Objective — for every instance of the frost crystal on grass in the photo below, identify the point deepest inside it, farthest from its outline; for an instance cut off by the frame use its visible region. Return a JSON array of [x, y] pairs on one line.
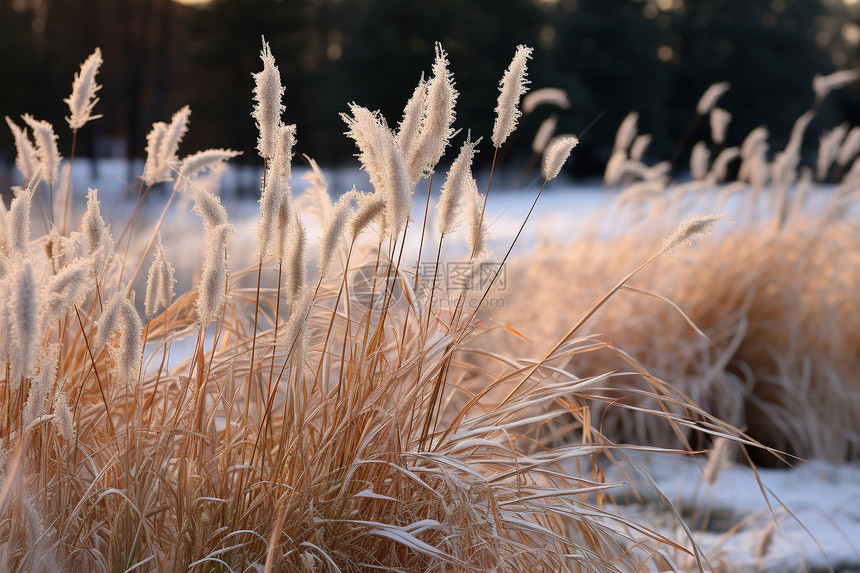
[[84, 89], [512, 86]]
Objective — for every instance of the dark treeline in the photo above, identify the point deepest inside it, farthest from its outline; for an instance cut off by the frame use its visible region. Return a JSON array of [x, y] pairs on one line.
[[611, 57]]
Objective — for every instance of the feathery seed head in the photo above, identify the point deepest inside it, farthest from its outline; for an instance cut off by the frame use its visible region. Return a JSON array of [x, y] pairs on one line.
[[640, 146], [63, 419], [710, 97], [41, 385], [209, 207], [828, 148], [335, 229], [699, 159], [556, 155], [512, 86], [476, 226], [18, 224], [850, 147], [458, 184], [46, 148], [26, 158], [99, 240], [284, 143], [67, 288], [267, 112], [130, 350], [295, 254], [626, 132], [159, 283], [384, 163], [720, 120], [689, 230], [823, 85], [162, 144], [153, 171], [551, 96], [211, 292], [208, 160], [439, 116], [300, 310], [413, 118], [371, 207], [84, 88], [109, 321], [544, 134], [25, 309], [719, 170]]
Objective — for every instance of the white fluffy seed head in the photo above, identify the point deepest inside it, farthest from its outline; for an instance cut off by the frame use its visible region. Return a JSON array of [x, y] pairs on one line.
[[162, 145], [626, 132], [25, 309], [295, 258], [153, 171], [208, 160], [276, 197], [159, 283], [615, 168], [719, 170], [544, 134], [384, 163], [18, 224], [700, 159], [640, 146], [512, 86], [458, 185], [334, 231], [436, 127], [268, 92], [99, 240], [26, 158], [282, 161], [850, 147], [371, 208], [690, 229], [550, 96], [556, 155], [720, 120], [84, 88], [68, 287], [476, 227], [211, 292], [828, 148], [46, 148], [754, 141], [413, 117], [41, 384], [63, 419], [109, 320], [300, 310], [710, 97], [823, 85], [209, 207], [130, 350]]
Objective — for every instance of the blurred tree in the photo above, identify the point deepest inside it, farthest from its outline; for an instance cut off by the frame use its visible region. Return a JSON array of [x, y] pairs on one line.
[[611, 56]]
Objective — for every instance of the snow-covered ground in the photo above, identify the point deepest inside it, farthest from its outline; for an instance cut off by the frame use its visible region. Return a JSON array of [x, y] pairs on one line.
[[798, 519]]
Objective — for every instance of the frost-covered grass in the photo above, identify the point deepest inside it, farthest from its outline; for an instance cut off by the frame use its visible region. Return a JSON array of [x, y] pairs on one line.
[[276, 410]]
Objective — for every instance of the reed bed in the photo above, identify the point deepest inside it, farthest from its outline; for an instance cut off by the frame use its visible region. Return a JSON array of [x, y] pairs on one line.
[[302, 426], [756, 325]]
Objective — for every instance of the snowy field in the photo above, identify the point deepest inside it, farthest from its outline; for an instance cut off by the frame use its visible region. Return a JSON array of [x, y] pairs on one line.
[[803, 518]]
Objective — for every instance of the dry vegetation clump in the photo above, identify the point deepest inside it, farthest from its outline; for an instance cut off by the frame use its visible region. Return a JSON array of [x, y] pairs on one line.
[[756, 325], [300, 427]]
